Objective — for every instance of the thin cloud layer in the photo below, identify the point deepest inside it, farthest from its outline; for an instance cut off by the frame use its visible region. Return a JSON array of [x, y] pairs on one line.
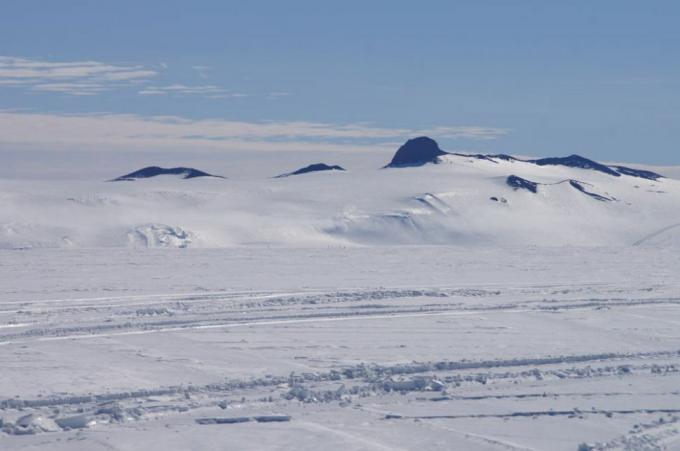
[[74, 78], [118, 131]]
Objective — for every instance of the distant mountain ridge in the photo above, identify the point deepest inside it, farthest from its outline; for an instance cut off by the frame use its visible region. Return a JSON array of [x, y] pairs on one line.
[[425, 150]]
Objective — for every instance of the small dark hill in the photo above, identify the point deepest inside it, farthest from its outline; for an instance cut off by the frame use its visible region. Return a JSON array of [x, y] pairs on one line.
[[153, 171], [520, 183], [576, 161], [416, 152], [312, 168]]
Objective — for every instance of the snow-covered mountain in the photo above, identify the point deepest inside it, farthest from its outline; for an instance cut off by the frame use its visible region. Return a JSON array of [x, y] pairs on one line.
[[424, 195]]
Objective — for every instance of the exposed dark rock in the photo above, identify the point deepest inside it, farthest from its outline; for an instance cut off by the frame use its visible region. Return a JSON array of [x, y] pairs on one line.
[[581, 187], [502, 156], [575, 161], [417, 152], [649, 175], [520, 183]]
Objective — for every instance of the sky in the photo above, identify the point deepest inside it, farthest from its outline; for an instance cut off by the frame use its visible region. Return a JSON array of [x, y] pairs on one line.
[[526, 77]]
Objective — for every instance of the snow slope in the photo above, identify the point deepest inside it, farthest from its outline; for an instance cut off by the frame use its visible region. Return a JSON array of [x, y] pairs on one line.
[[463, 200]]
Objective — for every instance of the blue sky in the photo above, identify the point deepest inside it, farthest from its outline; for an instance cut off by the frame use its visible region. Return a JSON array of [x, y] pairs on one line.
[[599, 78]]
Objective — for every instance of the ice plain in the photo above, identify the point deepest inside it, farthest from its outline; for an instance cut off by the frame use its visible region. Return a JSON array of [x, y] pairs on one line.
[[364, 310]]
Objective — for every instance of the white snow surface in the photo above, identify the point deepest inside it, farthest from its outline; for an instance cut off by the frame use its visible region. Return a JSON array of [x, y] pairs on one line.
[[371, 309], [361, 348]]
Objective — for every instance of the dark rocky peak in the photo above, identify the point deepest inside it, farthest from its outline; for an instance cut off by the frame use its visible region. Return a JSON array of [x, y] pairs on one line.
[[416, 152]]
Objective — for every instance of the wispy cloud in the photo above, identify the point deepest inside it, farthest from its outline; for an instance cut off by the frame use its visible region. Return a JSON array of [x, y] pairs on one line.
[[210, 91], [465, 132], [74, 78], [117, 131], [72, 88], [86, 78]]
